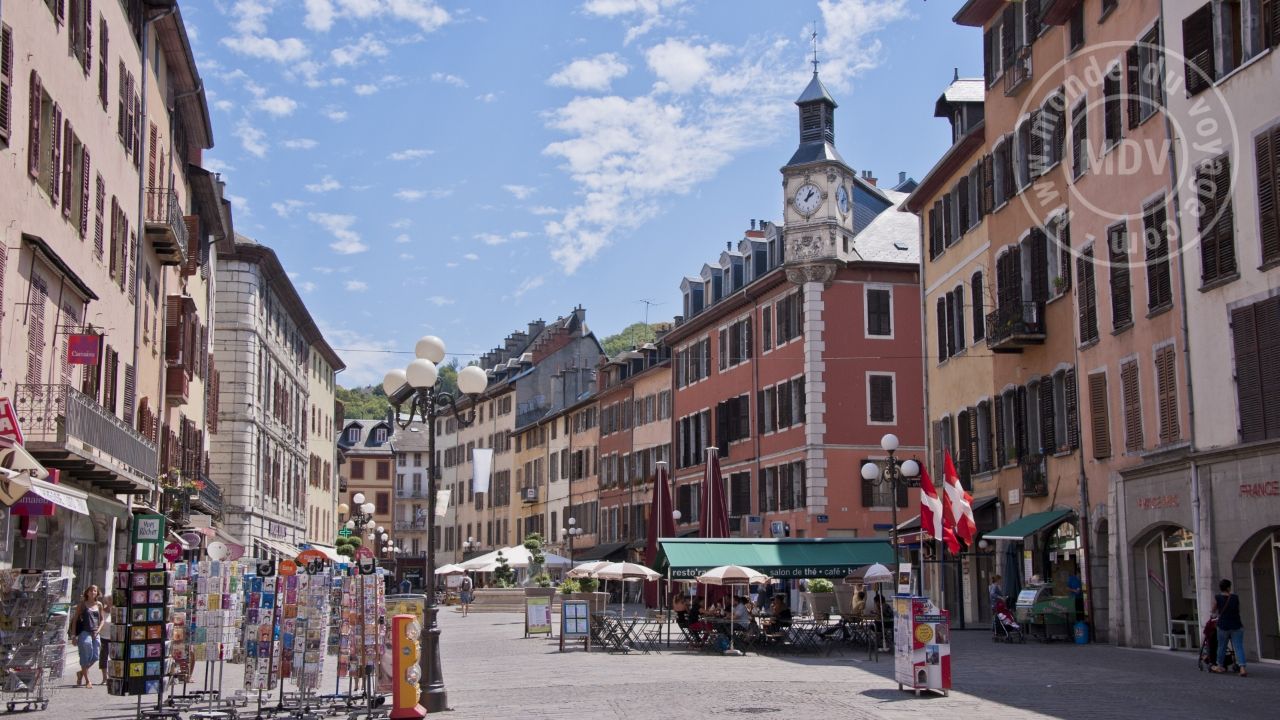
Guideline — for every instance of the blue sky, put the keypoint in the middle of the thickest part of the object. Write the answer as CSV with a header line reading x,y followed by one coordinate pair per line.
x,y
432,167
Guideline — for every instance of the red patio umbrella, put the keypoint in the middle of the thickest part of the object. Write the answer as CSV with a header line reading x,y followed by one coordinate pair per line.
x,y
661,524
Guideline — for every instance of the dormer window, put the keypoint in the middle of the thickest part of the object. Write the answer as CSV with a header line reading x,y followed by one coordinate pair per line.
x,y
379,435
353,435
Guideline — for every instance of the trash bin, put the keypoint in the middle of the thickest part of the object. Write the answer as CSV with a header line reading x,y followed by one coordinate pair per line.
x,y
1081,633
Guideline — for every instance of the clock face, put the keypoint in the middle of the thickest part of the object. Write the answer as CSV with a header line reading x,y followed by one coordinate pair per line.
x,y
842,200
808,198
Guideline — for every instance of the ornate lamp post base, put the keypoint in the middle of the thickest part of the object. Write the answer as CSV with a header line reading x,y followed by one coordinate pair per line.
x,y
434,697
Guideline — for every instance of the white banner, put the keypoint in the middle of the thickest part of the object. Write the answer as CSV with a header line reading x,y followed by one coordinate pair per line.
x,y
442,502
481,464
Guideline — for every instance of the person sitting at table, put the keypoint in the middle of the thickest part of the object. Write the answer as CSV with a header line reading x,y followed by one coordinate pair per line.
x,y
696,623
779,617
741,615
680,605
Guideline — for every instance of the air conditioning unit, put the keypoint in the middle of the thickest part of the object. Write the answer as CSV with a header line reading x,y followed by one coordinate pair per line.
x,y
530,494
753,526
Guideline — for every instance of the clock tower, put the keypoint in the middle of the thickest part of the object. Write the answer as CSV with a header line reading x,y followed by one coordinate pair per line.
x,y
817,189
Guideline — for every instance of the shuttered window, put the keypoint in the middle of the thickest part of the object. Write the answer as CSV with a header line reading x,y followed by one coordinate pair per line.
x,y
110,374
979,317
130,392
1156,227
942,329
988,184
1121,291
1071,402
1197,48
1266,150
1112,121
880,401
1079,138
1217,220
1167,394
1255,333
103,85
879,318
1076,26
1048,434
1087,298
85,172
38,306
99,210
6,82
1132,403
33,126
1099,419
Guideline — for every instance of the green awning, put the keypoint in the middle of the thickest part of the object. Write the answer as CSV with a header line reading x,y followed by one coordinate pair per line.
x,y
687,558
99,505
1028,525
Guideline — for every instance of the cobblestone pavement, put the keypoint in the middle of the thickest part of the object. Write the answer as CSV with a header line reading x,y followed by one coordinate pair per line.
x,y
492,672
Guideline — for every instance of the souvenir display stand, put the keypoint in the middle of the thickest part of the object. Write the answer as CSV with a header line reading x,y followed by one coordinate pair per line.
x,y
303,601
261,638
139,656
208,611
33,623
362,635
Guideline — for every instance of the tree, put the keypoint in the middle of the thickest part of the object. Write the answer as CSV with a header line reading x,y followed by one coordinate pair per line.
x,y
503,575
631,336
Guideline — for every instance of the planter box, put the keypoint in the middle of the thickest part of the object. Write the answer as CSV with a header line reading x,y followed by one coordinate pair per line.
x,y
821,604
844,599
539,592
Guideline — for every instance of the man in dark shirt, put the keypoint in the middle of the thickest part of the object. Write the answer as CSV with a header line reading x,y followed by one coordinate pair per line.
x,y
779,615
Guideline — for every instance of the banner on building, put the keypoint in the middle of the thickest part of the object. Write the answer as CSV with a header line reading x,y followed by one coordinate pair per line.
x,y
442,502
481,463
83,349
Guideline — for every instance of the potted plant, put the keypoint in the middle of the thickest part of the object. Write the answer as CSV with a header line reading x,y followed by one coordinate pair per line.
x,y
599,600
821,597
570,587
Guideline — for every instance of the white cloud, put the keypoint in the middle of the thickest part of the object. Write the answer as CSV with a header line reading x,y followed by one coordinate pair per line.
x,y
366,46
595,73
319,15
426,14
410,154
848,44
403,238
240,203
543,210
448,79
414,194
520,191
471,256
348,240
402,223
679,65
326,184
335,114
440,300
356,285
487,97
214,165
252,139
532,283
224,105
645,14
286,50
307,286
366,357
278,105
286,208
300,143
495,239
365,89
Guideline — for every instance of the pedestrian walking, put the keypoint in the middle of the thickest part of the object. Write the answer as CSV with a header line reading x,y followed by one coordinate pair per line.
x,y
464,592
995,593
1226,605
86,624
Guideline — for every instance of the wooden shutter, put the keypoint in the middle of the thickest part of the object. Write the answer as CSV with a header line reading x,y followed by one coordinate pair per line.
x,y
1035,152
1020,421
988,71
1072,401
192,265
1167,394
1008,36
131,258
1197,48
33,131
84,192
6,82
122,106
1121,289
130,392
1248,373
942,329
99,206
102,62
1033,20
1132,406
975,444
35,331
1099,424
66,173
1159,287
1087,298
1059,103
1266,149
87,57
964,448
109,378
1039,266
55,147
1047,438
1216,223
988,183
1079,139
979,316
1133,84
153,198
949,328
997,422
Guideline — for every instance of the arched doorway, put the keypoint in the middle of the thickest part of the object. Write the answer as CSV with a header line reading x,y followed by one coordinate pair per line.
x,y
1257,576
1165,581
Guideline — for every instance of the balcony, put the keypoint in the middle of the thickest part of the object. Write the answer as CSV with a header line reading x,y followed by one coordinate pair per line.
x,y
1014,326
166,226
209,497
411,493
66,429
411,525
177,386
1035,477
175,505
1019,73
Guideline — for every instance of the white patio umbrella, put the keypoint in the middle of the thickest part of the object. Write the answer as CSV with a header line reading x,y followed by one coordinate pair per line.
x,y
876,574
732,575
587,569
450,569
626,572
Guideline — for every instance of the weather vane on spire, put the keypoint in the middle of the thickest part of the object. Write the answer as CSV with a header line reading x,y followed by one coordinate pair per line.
x,y
814,37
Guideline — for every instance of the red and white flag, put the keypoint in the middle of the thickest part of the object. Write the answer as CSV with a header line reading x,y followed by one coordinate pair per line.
x,y
933,519
959,505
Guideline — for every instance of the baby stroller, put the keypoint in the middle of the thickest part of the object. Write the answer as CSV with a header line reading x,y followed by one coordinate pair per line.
x,y
1209,649
1003,627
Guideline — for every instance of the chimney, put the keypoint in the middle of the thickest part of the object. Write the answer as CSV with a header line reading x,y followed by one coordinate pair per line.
x,y
902,177
753,223
866,175
536,327
728,245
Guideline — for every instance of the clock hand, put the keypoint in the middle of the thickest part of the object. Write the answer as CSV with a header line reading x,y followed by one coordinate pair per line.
x,y
810,195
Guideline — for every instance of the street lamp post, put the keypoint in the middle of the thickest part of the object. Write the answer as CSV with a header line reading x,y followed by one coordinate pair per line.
x,y
574,531
427,401
893,472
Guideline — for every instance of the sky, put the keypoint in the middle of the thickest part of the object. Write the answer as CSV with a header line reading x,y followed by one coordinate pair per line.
x,y
461,169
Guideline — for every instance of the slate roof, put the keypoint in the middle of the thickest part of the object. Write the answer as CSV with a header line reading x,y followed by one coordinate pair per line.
x,y
364,436
965,90
814,152
815,91
411,439
892,237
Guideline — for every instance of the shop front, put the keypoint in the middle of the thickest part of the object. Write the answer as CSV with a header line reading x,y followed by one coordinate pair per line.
x,y
1042,552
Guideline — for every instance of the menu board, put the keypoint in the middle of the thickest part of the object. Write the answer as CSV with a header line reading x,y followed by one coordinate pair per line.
x,y
137,659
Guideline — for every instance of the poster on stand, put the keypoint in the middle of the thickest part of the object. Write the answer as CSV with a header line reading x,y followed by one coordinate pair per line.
x,y
922,644
537,615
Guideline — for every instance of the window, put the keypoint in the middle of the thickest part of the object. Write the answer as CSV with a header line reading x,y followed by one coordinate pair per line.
x,y
1079,138
733,422
881,402
1197,47
1121,293
1107,7
1216,221
1022,150
1087,300
6,83
740,494
1156,236
941,331
1053,129
1111,108
1075,27
382,502
1144,66
984,430
766,328
1167,394
1099,421
957,327
1132,402
357,469
976,295
790,318
1255,331
879,312
1266,147
735,343
1002,164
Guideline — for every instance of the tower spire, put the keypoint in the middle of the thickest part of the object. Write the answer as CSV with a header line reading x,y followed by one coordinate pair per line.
x,y
814,38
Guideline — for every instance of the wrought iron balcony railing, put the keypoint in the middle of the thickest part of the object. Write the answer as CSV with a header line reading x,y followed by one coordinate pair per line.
x,y
1014,325
1035,477
60,415
1019,73
166,226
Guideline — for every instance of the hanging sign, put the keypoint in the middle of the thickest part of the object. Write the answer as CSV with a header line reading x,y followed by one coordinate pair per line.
x,y
10,430
82,349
